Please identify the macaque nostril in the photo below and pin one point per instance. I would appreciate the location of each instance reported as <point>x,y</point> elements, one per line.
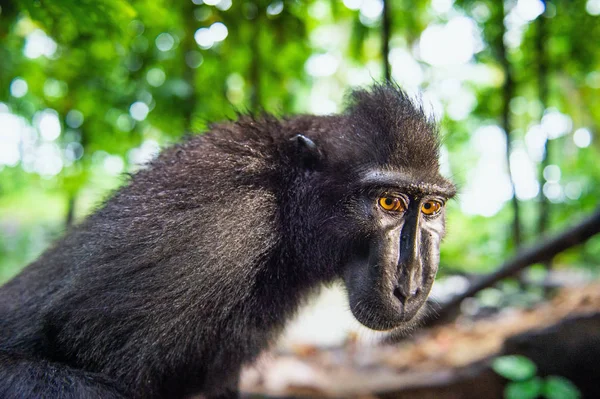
<point>400,295</point>
<point>403,297</point>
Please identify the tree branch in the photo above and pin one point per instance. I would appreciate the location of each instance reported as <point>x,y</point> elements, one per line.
<point>543,251</point>
<point>385,40</point>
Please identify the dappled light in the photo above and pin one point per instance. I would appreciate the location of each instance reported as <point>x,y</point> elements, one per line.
<point>92,92</point>
<point>49,123</point>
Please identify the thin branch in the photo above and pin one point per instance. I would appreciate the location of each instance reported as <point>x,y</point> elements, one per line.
<point>506,120</point>
<point>256,64</point>
<point>189,73</point>
<point>542,61</point>
<point>539,253</point>
<point>385,40</point>
<point>70,218</point>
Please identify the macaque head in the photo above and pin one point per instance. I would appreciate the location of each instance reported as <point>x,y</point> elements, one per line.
<point>385,201</point>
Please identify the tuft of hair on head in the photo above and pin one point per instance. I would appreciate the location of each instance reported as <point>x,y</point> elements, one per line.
<point>392,128</point>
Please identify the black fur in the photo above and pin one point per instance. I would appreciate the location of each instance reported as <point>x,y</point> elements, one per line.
<point>192,269</point>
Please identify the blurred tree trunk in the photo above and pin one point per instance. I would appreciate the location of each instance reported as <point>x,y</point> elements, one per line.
<point>70,211</point>
<point>539,253</point>
<point>189,73</point>
<point>506,120</point>
<point>8,17</point>
<point>385,40</point>
<point>542,60</point>
<point>255,62</point>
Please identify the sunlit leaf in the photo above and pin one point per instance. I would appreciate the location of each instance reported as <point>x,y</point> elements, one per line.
<point>529,389</point>
<point>556,387</point>
<point>514,367</point>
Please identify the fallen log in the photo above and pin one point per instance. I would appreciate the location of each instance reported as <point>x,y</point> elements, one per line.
<point>541,252</point>
<point>570,348</point>
<point>561,336</point>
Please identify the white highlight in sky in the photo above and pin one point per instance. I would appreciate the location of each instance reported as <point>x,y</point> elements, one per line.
<point>18,88</point>
<point>139,111</point>
<point>371,9</point>
<point>39,44</point>
<point>203,38</point>
<point>73,151</point>
<point>582,137</point>
<point>353,4</point>
<point>442,6</point>
<point>74,119</point>
<point>144,153</point>
<point>224,5</point>
<point>207,37</point>
<point>488,186</point>
<point>10,138</point>
<point>320,101</point>
<point>321,65</point>
<point>554,192</point>
<point>218,31</point>
<point>156,77</point>
<point>552,173</point>
<point>432,105</point>
<point>405,69</point>
<point>275,8</point>
<point>47,160</point>
<point>450,44</point>
<point>524,175</point>
<point>113,164</point>
<point>459,99</point>
<point>530,9</point>
<point>48,124</point>
<point>535,141</point>
<point>516,23</point>
<point>164,41</point>
<point>55,88</point>
<point>573,190</point>
<point>445,168</point>
<point>556,124</point>
<point>593,7</point>
<point>125,123</point>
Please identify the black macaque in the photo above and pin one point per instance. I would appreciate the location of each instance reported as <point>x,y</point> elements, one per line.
<point>191,270</point>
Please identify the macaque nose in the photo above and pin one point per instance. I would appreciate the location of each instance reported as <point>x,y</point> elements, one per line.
<point>409,267</point>
<point>406,291</point>
<point>410,300</point>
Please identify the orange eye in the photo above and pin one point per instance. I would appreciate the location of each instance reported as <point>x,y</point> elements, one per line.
<point>431,207</point>
<point>393,204</point>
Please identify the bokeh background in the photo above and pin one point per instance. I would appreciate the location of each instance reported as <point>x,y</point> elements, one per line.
<point>90,91</point>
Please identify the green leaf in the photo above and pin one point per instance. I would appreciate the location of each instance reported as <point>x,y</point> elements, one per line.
<point>514,367</point>
<point>556,387</point>
<point>529,389</point>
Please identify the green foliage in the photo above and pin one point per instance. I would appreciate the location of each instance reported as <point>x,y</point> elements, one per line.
<point>528,389</point>
<point>556,387</point>
<point>525,384</point>
<point>515,368</point>
<point>101,61</point>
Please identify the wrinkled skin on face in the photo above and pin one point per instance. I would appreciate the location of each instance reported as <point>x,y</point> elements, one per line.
<point>369,203</point>
<point>193,268</point>
<point>385,204</point>
<point>391,270</point>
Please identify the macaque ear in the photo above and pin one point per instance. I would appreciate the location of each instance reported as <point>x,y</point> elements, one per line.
<point>307,152</point>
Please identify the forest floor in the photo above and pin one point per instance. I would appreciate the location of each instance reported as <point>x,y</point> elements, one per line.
<point>429,356</point>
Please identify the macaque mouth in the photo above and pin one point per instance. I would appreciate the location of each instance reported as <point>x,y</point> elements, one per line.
<point>409,305</point>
